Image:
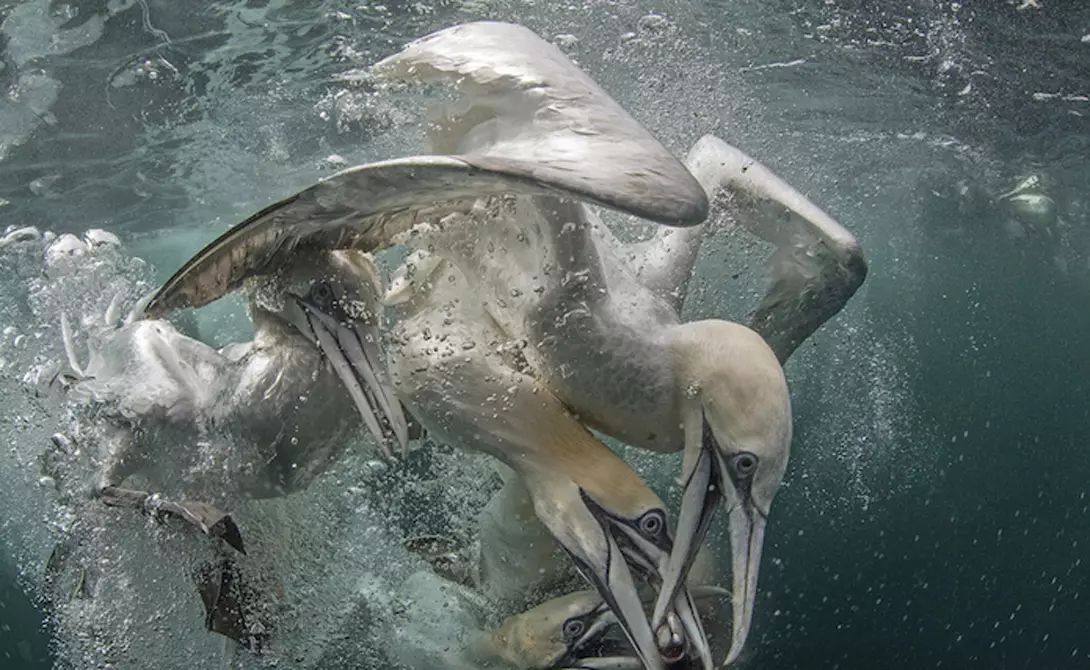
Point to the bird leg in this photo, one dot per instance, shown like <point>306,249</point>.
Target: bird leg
<point>122,458</point>
<point>210,520</point>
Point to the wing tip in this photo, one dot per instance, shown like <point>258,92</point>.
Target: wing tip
<point>695,205</point>
<point>854,264</point>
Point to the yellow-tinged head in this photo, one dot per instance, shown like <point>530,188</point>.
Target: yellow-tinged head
<point>599,511</point>
<point>736,416</point>
<point>551,635</point>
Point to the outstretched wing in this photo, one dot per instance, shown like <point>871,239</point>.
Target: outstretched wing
<point>531,123</point>
<point>817,265</point>
<point>521,98</point>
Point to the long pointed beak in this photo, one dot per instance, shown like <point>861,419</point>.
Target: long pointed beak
<point>693,627</point>
<point>618,589</point>
<point>702,494</point>
<point>612,578</point>
<point>574,661</point>
<point>347,349</point>
<point>700,498</point>
<point>607,663</point>
<point>747,533</point>
<point>684,636</point>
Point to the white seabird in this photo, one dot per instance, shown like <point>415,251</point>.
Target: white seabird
<point>259,419</point>
<point>281,395</point>
<point>601,333</point>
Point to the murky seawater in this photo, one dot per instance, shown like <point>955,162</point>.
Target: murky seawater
<point>934,513</point>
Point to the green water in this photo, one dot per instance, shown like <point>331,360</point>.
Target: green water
<point>935,511</point>
<point>24,640</point>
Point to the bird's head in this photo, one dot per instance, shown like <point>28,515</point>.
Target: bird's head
<point>333,300</point>
<point>610,522</point>
<point>565,632</point>
<point>737,425</point>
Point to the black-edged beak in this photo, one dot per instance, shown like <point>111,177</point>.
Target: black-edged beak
<point>604,663</point>
<point>592,649</point>
<point>747,534</point>
<point>709,482</point>
<point>350,346</point>
<point>609,573</point>
<point>682,636</point>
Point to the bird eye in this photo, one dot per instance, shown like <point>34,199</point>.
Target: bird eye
<point>322,294</point>
<point>573,628</point>
<point>652,523</point>
<point>744,464</point>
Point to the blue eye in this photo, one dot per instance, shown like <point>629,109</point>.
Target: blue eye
<point>744,464</point>
<point>573,628</point>
<point>652,523</point>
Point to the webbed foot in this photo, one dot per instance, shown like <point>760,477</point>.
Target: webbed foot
<point>210,520</point>
<point>228,603</point>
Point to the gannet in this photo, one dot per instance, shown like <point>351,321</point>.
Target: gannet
<point>280,400</point>
<point>559,633</point>
<point>449,370</point>
<point>516,562</point>
<point>568,629</point>
<point>567,632</point>
<point>533,141</point>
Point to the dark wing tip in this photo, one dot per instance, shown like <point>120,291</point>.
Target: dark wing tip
<point>798,304</point>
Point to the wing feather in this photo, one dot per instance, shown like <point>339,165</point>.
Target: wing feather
<point>817,265</point>
<point>531,123</point>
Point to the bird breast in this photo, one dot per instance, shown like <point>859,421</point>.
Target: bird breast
<point>598,349</point>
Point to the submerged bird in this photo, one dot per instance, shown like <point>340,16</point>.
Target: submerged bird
<point>271,413</point>
<point>447,365</point>
<point>588,324</point>
<point>559,633</point>
<point>209,427</point>
<point>573,630</point>
<point>449,626</point>
<point>568,632</point>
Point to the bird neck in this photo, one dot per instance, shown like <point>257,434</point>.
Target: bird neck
<point>734,380</point>
<point>566,454</point>
<point>711,352</point>
<point>696,350</point>
<point>698,347</point>
<point>270,329</point>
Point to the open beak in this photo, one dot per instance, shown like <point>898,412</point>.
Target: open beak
<point>352,350</point>
<point>704,489</point>
<point>609,654</point>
